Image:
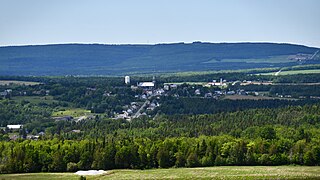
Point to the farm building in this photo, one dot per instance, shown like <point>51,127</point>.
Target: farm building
<point>146,84</point>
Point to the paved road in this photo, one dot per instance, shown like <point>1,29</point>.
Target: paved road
<point>141,108</point>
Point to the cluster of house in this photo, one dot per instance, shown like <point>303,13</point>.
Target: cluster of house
<point>217,83</point>
<point>300,57</point>
<point>148,93</point>
<point>151,106</point>
<point>148,90</point>
<point>129,111</point>
<point>217,94</point>
<point>8,92</point>
<point>5,93</point>
<point>17,128</point>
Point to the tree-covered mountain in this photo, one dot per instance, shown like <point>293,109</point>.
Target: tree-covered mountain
<point>98,59</point>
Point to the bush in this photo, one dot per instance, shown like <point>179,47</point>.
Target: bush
<point>72,167</point>
<point>192,160</point>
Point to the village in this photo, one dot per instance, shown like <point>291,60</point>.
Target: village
<point>217,89</point>
<point>145,102</point>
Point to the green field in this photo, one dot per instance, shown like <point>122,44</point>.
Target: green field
<point>39,176</point>
<point>308,71</point>
<point>225,172</point>
<point>75,112</point>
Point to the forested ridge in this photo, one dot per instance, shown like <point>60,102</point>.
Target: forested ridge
<point>99,59</point>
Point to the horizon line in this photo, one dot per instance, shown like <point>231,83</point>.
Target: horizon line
<point>159,43</point>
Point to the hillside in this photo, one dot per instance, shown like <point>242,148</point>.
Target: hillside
<point>97,59</point>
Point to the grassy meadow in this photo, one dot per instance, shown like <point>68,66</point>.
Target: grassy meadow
<point>75,112</point>
<point>225,172</point>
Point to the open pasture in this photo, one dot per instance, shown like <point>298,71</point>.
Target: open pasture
<point>223,172</point>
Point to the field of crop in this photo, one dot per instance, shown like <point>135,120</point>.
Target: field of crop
<point>291,72</point>
<point>225,172</point>
<point>9,82</point>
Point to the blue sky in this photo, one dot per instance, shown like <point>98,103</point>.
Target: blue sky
<point>25,22</point>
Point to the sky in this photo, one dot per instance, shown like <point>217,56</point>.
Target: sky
<point>30,22</point>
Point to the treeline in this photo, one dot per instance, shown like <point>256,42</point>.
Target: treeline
<point>60,155</point>
<point>296,90</point>
<point>238,124</point>
<point>171,105</point>
<point>298,78</point>
<point>293,90</point>
<point>21,113</point>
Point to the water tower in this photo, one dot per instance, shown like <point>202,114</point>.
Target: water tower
<point>127,79</point>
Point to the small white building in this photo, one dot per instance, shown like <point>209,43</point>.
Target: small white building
<point>15,127</point>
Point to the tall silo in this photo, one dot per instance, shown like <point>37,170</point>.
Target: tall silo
<point>127,79</point>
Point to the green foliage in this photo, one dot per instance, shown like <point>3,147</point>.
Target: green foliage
<point>192,160</point>
<point>72,167</point>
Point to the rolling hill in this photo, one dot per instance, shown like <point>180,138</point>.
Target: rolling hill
<point>98,59</point>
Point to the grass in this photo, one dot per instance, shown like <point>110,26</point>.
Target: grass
<point>310,71</point>
<point>75,112</point>
<point>10,82</point>
<point>34,99</point>
<point>224,172</point>
<point>39,176</point>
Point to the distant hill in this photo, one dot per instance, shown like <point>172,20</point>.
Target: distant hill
<point>98,59</point>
